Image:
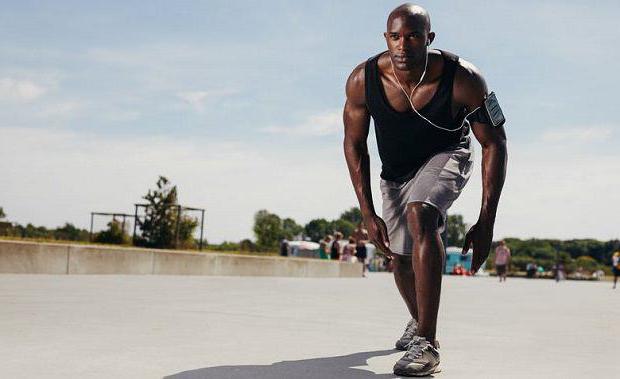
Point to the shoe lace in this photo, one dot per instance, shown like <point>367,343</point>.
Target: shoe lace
<point>410,329</point>
<point>416,347</point>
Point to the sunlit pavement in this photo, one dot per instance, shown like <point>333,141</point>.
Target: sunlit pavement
<point>229,327</point>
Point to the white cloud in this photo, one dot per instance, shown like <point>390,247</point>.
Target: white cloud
<point>197,100</point>
<point>62,109</point>
<point>12,89</point>
<point>551,192</point>
<point>53,176</point>
<point>320,124</point>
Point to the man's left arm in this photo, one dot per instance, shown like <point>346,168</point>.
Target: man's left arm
<point>471,91</point>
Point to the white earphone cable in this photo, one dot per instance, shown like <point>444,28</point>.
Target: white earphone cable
<point>416,86</point>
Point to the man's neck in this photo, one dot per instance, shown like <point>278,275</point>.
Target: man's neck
<point>412,75</point>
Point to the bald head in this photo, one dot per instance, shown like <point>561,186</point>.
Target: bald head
<point>414,14</point>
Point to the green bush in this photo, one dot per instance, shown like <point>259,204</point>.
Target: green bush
<point>113,235</point>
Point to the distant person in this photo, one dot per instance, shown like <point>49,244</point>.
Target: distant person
<point>334,253</point>
<point>559,272</point>
<point>615,266</point>
<point>348,251</point>
<point>458,269</point>
<point>361,252</point>
<point>502,259</point>
<point>323,246</point>
<point>284,247</point>
<point>531,270</point>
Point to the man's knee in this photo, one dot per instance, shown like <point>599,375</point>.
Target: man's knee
<point>422,217</point>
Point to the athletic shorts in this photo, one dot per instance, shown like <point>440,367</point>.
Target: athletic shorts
<point>437,183</point>
<point>500,269</point>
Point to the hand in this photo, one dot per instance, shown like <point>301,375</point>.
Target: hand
<point>377,232</point>
<point>479,238</point>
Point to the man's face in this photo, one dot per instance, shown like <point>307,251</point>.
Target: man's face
<point>407,38</point>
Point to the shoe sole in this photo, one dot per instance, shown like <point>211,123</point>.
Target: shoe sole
<point>435,370</point>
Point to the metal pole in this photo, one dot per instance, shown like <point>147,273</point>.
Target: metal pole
<point>176,234</point>
<point>135,225</point>
<point>202,227</point>
<point>90,236</point>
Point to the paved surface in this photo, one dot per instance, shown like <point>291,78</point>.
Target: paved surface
<point>182,327</point>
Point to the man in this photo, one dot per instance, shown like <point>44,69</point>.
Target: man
<point>361,236</point>
<point>334,253</point>
<point>502,260</point>
<point>615,267</point>
<point>418,98</point>
<point>284,248</point>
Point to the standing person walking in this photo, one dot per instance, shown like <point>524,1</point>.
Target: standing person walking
<point>334,253</point>
<point>348,251</point>
<point>423,102</point>
<point>361,252</point>
<point>502,260</point>
<point>615,266</point>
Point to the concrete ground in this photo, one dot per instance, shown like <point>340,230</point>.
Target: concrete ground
<point>178,327</point>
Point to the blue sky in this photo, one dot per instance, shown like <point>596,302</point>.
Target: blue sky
<point>240,105</point>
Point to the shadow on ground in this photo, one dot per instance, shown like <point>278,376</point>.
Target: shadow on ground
<point>333,367</point>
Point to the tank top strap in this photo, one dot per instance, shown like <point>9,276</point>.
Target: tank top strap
<point>451,62</point>
<point>371,85</point>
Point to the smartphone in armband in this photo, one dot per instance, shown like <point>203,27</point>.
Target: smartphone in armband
<point>493,110</point>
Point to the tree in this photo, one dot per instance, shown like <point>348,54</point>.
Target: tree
<point>343,226</point>
<point>164,226</point>
<point>247,245</point>
<point>69,232</point>
<point>2,214</point>
<point>352,215</point>
<point>268,229</point>
<point>587,263</point>
<point>114,234</point>
<point>290,229</point>
<point>317,229</point>
<point>456,230</point>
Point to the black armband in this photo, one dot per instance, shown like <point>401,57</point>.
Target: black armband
<point>489,112</point>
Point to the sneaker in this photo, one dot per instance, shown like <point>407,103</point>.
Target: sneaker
<point>410,331</point>
<point>421,359</point>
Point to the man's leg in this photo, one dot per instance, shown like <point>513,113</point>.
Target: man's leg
<point>428,256</point>
<point>405,281</point>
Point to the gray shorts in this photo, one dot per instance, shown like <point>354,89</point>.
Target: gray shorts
<point>438,183</point>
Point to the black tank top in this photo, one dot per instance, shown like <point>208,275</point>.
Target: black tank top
<point>405,140</point>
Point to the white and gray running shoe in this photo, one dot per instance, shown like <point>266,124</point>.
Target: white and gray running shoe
<point>421,359</point>
<point>410,331</point>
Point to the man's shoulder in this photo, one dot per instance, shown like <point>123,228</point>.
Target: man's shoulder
<point>356,85</point>
<point>357,76</point>
<point>468,74</point>
<point>469,84</point>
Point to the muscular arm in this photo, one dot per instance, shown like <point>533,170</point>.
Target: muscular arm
<point>470,90</point>
<point>356,126</point>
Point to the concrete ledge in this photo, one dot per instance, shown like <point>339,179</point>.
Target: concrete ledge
<point>32,258</point>
<point>94,260</point>
<point>20,257</point>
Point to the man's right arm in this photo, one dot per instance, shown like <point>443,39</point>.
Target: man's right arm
<point>356,126</point>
